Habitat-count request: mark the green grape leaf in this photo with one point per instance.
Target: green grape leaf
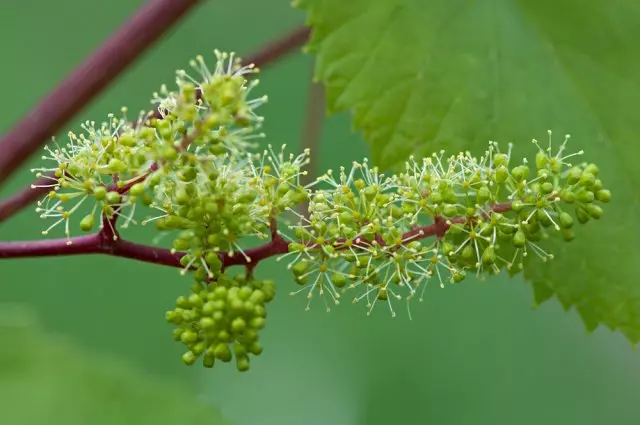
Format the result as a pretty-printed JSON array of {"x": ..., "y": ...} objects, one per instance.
[
  {"x": 419, "y": 76},
  {"x": 45, "y": 379}
]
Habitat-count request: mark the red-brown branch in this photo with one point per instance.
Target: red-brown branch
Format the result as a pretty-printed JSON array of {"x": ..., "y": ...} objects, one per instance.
[
  {"x": 279, "y": 47},
  {"x": 89, "y": 79},
  {"x": 97, "y": 243},
  {"x": 40, "y": 132},
  {"x": 103, "y": 242}
]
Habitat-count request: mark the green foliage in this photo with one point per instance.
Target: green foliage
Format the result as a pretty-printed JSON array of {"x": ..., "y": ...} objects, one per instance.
[
  {"x": 45, "y": 379},
  {"x": 419, "y": 76}
]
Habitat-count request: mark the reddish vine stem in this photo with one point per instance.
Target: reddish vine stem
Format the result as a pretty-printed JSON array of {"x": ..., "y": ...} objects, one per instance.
[
  {"x": 89, "y": 79},
  {"x": 97, "y": 243},
  {"x": 103, "y": 242},
  {"x": 279, "y": 47},
  {"x": 40, "y": 132}
]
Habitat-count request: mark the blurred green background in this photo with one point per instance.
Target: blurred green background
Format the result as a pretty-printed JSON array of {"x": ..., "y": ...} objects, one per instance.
[{"x": 476, "y": 353}]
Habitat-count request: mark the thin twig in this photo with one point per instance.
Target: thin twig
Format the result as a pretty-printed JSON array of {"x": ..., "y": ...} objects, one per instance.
[
  {"x": 104, "y": 243},
  {"x": 279, "y": 47},
  {"x": 97, "y": 243},
  {"x": 312, "y": 134},
  {"x": 24, "y": 197}
]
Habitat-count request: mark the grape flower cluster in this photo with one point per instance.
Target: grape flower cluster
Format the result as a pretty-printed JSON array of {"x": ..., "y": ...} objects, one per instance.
[
  {"x": 366, "y": 231},
  {"x": 193, "y": 166},
  {"x": 222, "y": 320}
]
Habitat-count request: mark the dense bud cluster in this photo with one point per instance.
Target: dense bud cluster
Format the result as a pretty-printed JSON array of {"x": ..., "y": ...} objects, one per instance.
[
  {"x": 365, "y": 231},
  {"x": 222, "y": 320},
  {"x": 192, "y": 147},
  {"x": 383, "y": 237}
]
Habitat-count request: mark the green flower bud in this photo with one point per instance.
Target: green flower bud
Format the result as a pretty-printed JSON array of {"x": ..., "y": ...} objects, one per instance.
[
  {"x": 500, "y": 160},
  {"x": 543, "y": 174},
  {"x": 483, "y": 195},
  {"x": 594, "y": 211},
  {"x": 458, "y": 276},
  {"x": 189, "y": 358},
  {"x": 450, "y": 210},
  {"x": 370, "y": 192},
  {"x": 519, "y": 239},
  {"x": 596, "y": 186},
  {"x": 189, "y": 336},
  {"x": 520, "y": 173},
  {"x": 489, "y": 255},
  {"x": 546, "y": 188},
  {"x": 568, "y": 197},
  {"x": 137, "y": 189},
  {"x": 294, "y": 246},
  {"x": 208, "y": 308},
  {"x": 116, "y": 165},
  {"x": 113, "y": 197},
  {"x": 244, "y": 293},
  {"x": 338, "y": 280},
  {"x": 575, "y": 173},
  {"x": 207, "y": 323},
  {"x": 208, "y": 361},
  {"x": 567, "y": 234},
  {"x": 199, "y": 348},
  {"x": 300, "y": 268},
  {"x": 556, "y": 165},
  {"x": 182, "y": 197},
  {"x": 255, "y": 348},
  {"x": 582, "y": 215},
  {"x": 456, "y": 229},
  {"x": 585, "y": 196},
  {"x": 566, "y": 221},
  {"x": 177, "y": 333},
  {"x": 174, "y": 317},
  {"x": 435, "y": 198},
  {"x": 543, "y": 218},
  {"x": 257, "y": 322},
  {"x": 87, "y": 222},
  {"x": 183, "y": 302},
  {"x": 517, "y": 206},
  {"x": 468, "y": 253},
  {"x": 587, "y": 179},
  {"x": 603, "y": 195},
  {"x": 242, "y": 364},
  {"x": 446, "y": 248},
  {"x": 501, "y": 174},
  {"x": 213, "y": 260},
  {"x": 100, "y": 193},
  {"x": 195, "y": 300},
  {"x": 222, "y": 352},
  {"x": 180, "y": 244},
  {"x": 541, "y": 160},
  {"x": 238, "y": 325},
  {"x": 592, "y": 169}
]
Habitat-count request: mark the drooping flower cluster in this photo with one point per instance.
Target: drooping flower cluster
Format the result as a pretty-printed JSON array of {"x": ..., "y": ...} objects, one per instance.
[
  {"x": 367, "y": 231},
  {"x": 222, "y": 320}
]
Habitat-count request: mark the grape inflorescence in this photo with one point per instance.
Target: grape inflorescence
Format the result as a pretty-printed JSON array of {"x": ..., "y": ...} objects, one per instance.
[
  {"x": 195, "y": 161},
  {"x": 366, "y": 231},
  {"x": 222, "y": 320}
]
